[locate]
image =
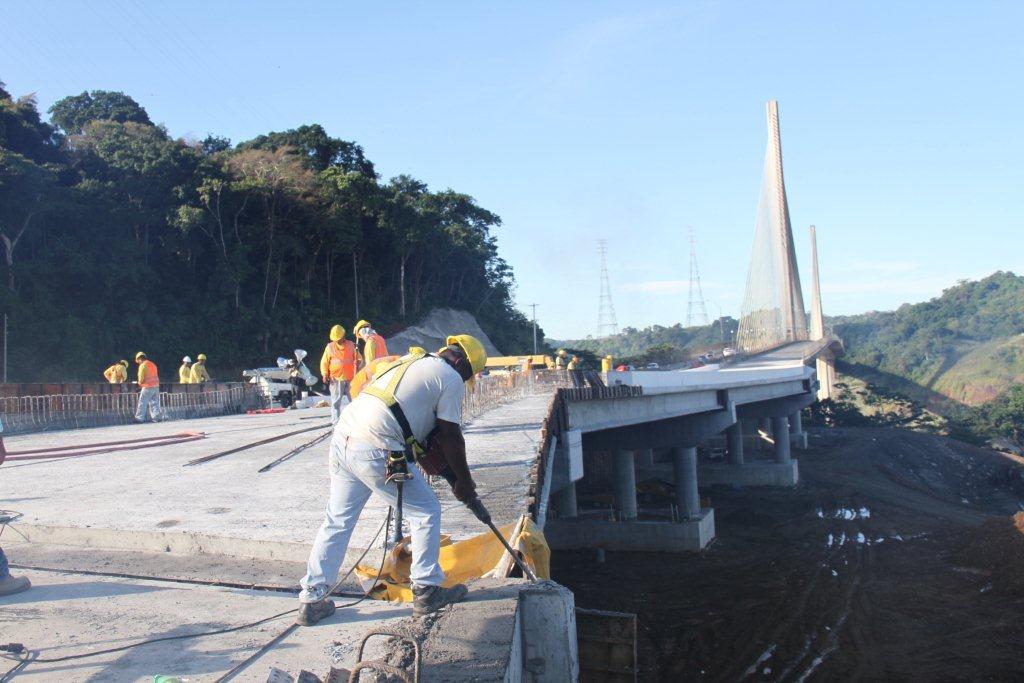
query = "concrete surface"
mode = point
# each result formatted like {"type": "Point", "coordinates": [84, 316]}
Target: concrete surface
{"type": "Point", "coordinates": [691, 535]}
{"type": "Point", "coordinates": [146, 500]}
{"type": "Point", "coordinates": [66, 614]}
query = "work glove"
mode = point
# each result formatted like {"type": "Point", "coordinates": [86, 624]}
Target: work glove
{"type": "Point", "coordinates": [464, 490]}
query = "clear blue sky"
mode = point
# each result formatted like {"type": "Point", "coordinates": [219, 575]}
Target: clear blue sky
{"type": "Point", "coordinates": [901, 125]}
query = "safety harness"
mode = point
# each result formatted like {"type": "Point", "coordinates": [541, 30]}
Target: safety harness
{"type": "Point", "coordinates": [396, 370]}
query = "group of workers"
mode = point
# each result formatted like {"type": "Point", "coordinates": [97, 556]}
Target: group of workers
{"type": "Point", "coordinates": [343, 359]}
{"type": "Point", "coordinates": [148, 380]}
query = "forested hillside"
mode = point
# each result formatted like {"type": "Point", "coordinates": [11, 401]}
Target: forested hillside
{"type": "Point", "coordinates": [965, 344]}
{"type": "Point", "coordinates": [116, 237]}
{"type": "Point", "coordinates": [656, 342]}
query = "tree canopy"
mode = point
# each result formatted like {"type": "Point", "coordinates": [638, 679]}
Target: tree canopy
{"type": "Point", "coordinates": [118, 237]}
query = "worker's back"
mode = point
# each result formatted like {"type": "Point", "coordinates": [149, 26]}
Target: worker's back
{"type": "Point", "coordinates": [430, 390]}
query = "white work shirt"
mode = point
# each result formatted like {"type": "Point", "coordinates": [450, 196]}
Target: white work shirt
{"type": "Point", "coordinates": [431, 390]}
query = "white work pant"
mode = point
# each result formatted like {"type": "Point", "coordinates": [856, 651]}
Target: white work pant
{"type": "Point", "coordinates": [149, 398]}
{"type": "Point", "coordinates": [339, 391]}
{"type": "Point", "coordinates": [355, 474]}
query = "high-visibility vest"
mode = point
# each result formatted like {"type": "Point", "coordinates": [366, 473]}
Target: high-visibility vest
{"type": "Point", "coordinates": [375, 348]}
{"type": "Point", "coordinates": [199, 373]}
{"type": "Point", "coordinates": [116, 374]}
{"type": "Point", "coordinates": [366, 374]}
{"type": "Point", "coordinates": [148, 374]}
{"type": "Point", "coordinates": [184, 373]}
{"type": "Point", "coordinates": [339, 361]}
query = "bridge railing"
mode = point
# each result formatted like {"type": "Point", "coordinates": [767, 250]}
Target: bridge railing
{"type": "Point", "coordinates": [495, 389]}
{"type": "Point", "coordinates": [27, 414]}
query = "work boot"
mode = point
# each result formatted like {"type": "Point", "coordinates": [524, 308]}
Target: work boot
{"type": "Point", "coordinates": [312, 612]}
{"type": "Point", "coordinates": [427, 599]}
{"type": "Point", "coordinates": [14, 584]}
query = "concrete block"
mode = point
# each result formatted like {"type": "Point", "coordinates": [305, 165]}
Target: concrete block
{"type": "Point", "coordinates": [668, 537]}
{"type": "Point", "coordinates": [758, 473]}
{"type": "Point", "coordinates": [544, 646]}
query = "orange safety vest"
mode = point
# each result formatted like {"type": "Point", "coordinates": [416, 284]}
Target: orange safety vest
{"type": "Point", "coordinates": [149, 377]}
{"type": "Point", "coordinates": [339, 361]}
{"type": "Point", "coordinates": [365, 376]}
{"type": "Point", "coordinates": [380, 349]}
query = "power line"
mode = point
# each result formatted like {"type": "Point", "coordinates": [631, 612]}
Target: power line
{"type": "Point", "coordinates": [606, 322]}
{"type": "Point", "coordinates": [696, 293]}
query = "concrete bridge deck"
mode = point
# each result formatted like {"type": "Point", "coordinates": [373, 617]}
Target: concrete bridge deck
{"type": "Point", "coordinates": [146, 500]}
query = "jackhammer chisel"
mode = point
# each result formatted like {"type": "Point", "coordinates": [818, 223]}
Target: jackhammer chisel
{"type": "Point", "coordinates": [476, 506]}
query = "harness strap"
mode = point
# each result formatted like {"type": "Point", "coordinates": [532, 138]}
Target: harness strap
{"type": "Point", "coordinates": [397, 370]}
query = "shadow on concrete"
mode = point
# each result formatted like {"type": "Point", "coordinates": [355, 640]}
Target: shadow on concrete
{"type": "Point", "coordinates": [76, 591]}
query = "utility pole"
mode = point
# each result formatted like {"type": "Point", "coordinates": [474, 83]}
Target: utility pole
{"type": "Point", "coordinates": [606, 323]}
{"type": "Point", "coordinates": [5, 348]}
{"type": "Point", "coordinates": [696, 294]}
{"type": "Point", "coordinates": [534, 307]}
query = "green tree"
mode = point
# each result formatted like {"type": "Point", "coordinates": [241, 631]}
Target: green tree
{"type": "Point", "coordinates": [74, 113]}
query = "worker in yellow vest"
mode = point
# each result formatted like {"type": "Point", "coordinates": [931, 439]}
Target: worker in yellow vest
{"type": "Point", "coordinates": [149, 389]}
{"type": "Point", "coordinates": [574, 364]}
{"type": "Point", "coordinates": [117, 373]}
{"type": "Point", "coordinates": [369, 344]}
{"type": "Point", "coordinates": [338, 367]}
{"type": "Point", "coordinates": [606, 364]}
{"type": "Point", "coordinates": [199, 373]}
{"type": "Point", "coordinates": [185, 371]}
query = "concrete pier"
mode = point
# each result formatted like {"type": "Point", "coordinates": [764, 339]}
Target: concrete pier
{"type": "Point", "coordinates": [734, 443]}
{"type": "Point", "coordinates": [684, 468]}
{"type": "Point", "coordinates": [780, 429]}
{"type": "Point", "coordinates": [567, 505]}
{"type": "Point", "coordinates": [624, 465]}
{"type": "Point", "coordinates": [645, 457]}
{"type": "Point", "coordinates": [797, 435]}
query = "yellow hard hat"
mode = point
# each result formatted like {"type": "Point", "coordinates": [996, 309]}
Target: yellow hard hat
{"type": "Point", "coordinates": [337, 333]}
{"type": "Point", "coordinates": [473, 349]}
{"type": "Point", "coordinates": [201, 356]}
{"type": "Point", "coordinates": [360, 325]}
{"type": "Point", "coordinates": [140, 355]}
{"type": "Point", "coordinates": [561, 352]}
{"type": "Point", "coordinates": [123, 362]}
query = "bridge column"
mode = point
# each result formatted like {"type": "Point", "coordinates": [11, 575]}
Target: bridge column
{"type": "Point", "coordinates": [645, 457]}
{"type": "Point", "coordinates": [684, 467]}
{"type": "Point", "coordinates": [567, 507]}
{"type": "Point", "coordinates": [796, 430]}
{"type": "Point", "coordinates": [781, 436]}
{"type": "Point", "coordinates": [734, 443]}
{"type": "Point", "coordinates": [624, 466]}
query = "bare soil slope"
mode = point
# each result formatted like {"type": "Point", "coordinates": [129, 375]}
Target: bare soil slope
{"type": "Point", "coordinates": [895, 559]}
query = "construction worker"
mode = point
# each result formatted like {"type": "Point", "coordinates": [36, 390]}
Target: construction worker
{"type": "Point", "coordinates": [117, 373]}
{"type": "Point", "coordinates": [338, 367]}
{"type": "Point", "coordinates": [574, 364]}
{"type": "Point", "coordinates": [185, 371]}
{"type": "Point", "coordinates": [149, 385]}
{"type": "Point", "coordinates": [423, 392]}
{"type": "Point", "coordinates": [560, 359]}
{"type": "Point", "coordinates": [9, 585]}
{"type": "Point", "coordinates": [369, 344]}
{"type": "Point", "coordinates": [199, 373]}
{"type": "Point", "coordinates": [606, 364]}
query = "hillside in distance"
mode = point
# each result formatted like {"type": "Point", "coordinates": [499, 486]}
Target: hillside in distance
{"type": "Point", "coordinates": [633, 343]}
{"type": "Point", "coordinates": [964, 345]}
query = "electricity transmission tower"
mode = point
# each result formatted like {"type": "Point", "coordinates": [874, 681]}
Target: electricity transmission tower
{"type": "Point", "coordinates": [696, 294]}
{"type": "Point", "coordinates": [606, 323]}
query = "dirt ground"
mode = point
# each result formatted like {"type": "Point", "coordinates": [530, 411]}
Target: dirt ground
{"type": "Point", "coordinates": [877, 567]}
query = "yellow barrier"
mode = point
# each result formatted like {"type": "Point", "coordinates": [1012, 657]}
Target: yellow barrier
{"type": "Point", "coordinates": [473, 558]}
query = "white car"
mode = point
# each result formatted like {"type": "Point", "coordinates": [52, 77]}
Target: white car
{"type": "Point", "coordinates": [728, 351]}
{"type": "Point", "coordinates": [653, 366]}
